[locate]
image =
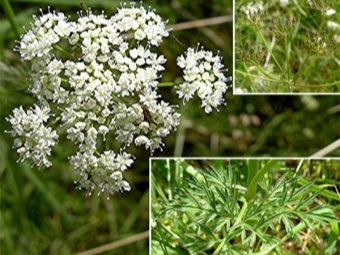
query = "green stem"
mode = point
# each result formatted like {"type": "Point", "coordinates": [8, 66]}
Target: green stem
{"type": "Point", "coordinates": [10, 14]}
{"type": "Point", "coordinates": [254, 182]}
{"type": "Point", "coordinates": [322, 22]}
{"type": "Point", "coordinates": [317, 86]}
{"type": "Point", "coordinates": [267, 74]}
{"type": "Point", "coordinates": [169, 179]}
{"type": "Point", "coordinates": [292, 233]}
{"type": "Point", "coordinates": [239, 216]}
{"type": "Point", "coordinates": [166, 84]}
{"type": "Point", "coordinates": [287, 56]}
{"type": "Point", "coordinates": [310, 65]}
{"type": "Point", "coordinates": [250, 80]}
{"type": "Point", "coordinates": [253, 168]}
{"type": "Point", "coordinates": [270, 51]}
{"type": "Point", "coordinates": [257, 77]}
{"type": "Point", "coordinates": [57, 47]}
{"type": "Point", "coordinates": [301, 68]}
{"type": "Point", "coordinates": [191, 170]}
{"type": "Point", "coordinates": [54, 121]}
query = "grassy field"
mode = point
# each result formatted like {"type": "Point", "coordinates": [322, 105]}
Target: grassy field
{"type": "Point", "coordinates": [291, 47]}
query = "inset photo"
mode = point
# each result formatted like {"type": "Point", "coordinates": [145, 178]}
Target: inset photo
{"type": "Point", "coordinates": [287, 46]}
{"type": "Point", "coordinates": [245, 206]}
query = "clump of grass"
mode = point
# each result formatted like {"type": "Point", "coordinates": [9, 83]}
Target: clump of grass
{"type": "Point", "coordinates": [297, 47]}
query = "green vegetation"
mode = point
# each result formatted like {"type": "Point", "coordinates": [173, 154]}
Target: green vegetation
{"type": "Point", "coordinates": [287, 48]}
{"type": "Point", "coordinates": [245, 206]}
{"type": "Point", "coordinates": [42, 212]}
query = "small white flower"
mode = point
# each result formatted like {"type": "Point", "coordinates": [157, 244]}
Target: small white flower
{"type": "Point", "coordinates": [284, 3]}
{"type": "Point", "coordinates": [124, 161]}
{"type": "Point", "coordinates": [330, 12]}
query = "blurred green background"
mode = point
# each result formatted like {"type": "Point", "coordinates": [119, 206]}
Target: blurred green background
{"type": "Point", "coordinates": [41, 210]}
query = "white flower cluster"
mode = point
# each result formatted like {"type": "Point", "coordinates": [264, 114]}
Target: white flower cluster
{"type": "Point", "coordinates": [204, 75]}
{"type": "Point", "coordinates": [34, 139]}
{"type": "Point", "coordinates": [106, 89]}
{"type": "Point", "coordinates": [99, 76]}
{"type": "Point", "coordinates": [252, 7]}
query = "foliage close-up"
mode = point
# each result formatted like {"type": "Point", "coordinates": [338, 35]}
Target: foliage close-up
{"type": "Point", "coordinates": [287, 46]}
{"type": "Point", "coordinates": [245, 206]}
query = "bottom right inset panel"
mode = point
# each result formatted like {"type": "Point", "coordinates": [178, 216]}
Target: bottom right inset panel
{"type": "Point", "coordinates": [245, 206]}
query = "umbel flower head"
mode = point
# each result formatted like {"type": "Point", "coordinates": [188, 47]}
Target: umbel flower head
{"type": "Point", "coordinates": [102, 86]}
{"type": "Point", "coordinates": [203, 74]}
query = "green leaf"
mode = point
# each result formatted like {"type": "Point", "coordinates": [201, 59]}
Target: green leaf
{"type": "Point", "coordinates": [253, 184]}
{"type": "Point", "coordinates": [333, 237]}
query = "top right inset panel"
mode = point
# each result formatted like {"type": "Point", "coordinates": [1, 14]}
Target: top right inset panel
{"type": "Point", "coordinates": [287, 46]}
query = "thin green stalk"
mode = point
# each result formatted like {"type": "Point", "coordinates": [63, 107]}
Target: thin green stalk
{"type": "Point", "coordinates": [292, 233]}
{"type": "Point", "coordinates": [161, 243]}
{"type": "Point", "coordinates": [267, 74]}
{"type": "Point", "coordinates": [191, 170]}
{"type": "Point", "coordinates": [301, 68]}
{"type": "Point", "coordinates": [169, 178]}
{"type": "Point", "coordinates": [287, 56]}
{"type": "Point", "coordinates": [250, 80]}
{"type": "Point", "coordinates": [318, 86]}
{"type": "Point", "coordinates": [54, 121]}
{"type": "Point", "coordinates": [310, 64]}
{"type": "Point", "coordinates": [57, 47]}
{"type": "Point", "coordinates": [322, 23]}
{"type": "Point", "coordinates": [240, 216]}
{"type": "Point", "coordinates": [270, 51]}
{"type": "Point", "coordinates": [166, 84]}
{"type": "Point", "coordinates": [10, 14]}
{"type": "Point", "coordinates": [253, 168]}
{"type": "Point", "coordinates": [253, 184]}
{"type": "Point", "coordinates": [255, 76]}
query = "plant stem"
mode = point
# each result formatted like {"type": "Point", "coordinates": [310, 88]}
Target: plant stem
{"type": "Point", "coordinates": [166, 84]}
{"type": "Point", "coordinates": [10, 14]}
{"type": "Point", "coordinates": [303, 64]}
{"type": "Point", "coordinates": [169, 178]}
{"type": "Point", "coordinates": [287, 56]}
{"type": "Point", "coordinates": [250, 80]}
{"type": "Point", "coordinates": [57, 47]}
{"type": "Point", "coordinates": [310, 64]}
{"type": "Point", "coordinates": [317, 86]}
{"type": "Point", "coordinates": [253, 168]}
{"type": "Point", "coordinates": [267, 74]}
{"type": "Point", "coordinates": [54, 121]}
{"type": "Point", "coordinates": [322, 22]}
{"type": "Point", "coordinates": [253, 184]}
{"type": "Point", "coordinates": [257, 77]}
{"type": "Point", "coordinates": [292, 233]}
{"type": "Point", "coordinates": [270, 51]}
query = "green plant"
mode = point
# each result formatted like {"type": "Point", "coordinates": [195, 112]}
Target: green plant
{"type": "Point", "coordinates": [296, 47]}
{"type": "Point", "coordinates": [213, 211]}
